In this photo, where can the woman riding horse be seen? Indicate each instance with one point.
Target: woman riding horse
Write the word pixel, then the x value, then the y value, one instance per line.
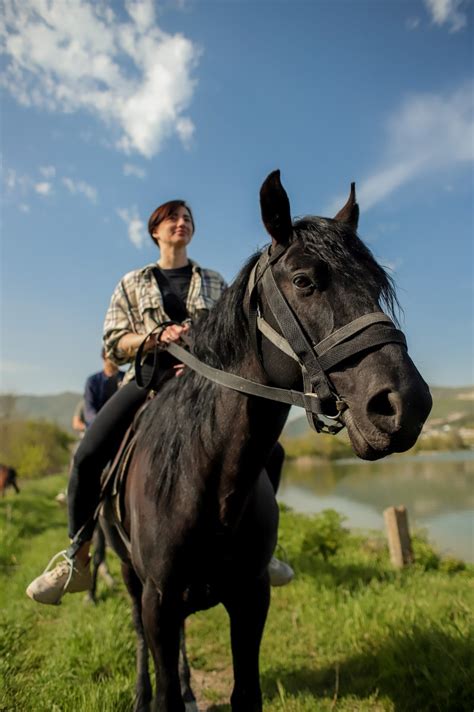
pixel 302 323
pixel 173 289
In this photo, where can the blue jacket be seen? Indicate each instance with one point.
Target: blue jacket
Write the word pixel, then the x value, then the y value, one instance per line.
pixel 99 388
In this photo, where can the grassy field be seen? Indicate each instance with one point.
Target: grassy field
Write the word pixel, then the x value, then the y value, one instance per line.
pixel 348 634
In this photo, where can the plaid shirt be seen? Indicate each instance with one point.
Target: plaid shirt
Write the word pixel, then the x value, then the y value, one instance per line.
pixel 137 306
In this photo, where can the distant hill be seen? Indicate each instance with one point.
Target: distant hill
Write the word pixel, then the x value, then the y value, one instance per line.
pixel 449 405
pixel 57 409
pixel 447 401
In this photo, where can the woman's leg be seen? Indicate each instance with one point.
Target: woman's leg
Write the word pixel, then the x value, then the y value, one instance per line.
pixel 99 445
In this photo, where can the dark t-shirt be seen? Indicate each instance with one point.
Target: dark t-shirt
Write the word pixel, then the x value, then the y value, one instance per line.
pixel 174 287
pixel 180 279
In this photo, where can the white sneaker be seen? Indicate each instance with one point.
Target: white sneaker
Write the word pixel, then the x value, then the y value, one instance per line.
pixel 61 498
pixel 280 573
pixel 69 576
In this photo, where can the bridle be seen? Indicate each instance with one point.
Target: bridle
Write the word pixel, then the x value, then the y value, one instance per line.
pixel 323 405
pixel 316 360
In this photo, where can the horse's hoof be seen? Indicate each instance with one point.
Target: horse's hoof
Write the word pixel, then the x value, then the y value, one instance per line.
pixel 108 580
pixel 191 706
pixel 89 600
pixel 106 576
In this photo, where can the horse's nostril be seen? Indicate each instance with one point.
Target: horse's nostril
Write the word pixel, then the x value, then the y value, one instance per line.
pixel 384 411
pixel 383 403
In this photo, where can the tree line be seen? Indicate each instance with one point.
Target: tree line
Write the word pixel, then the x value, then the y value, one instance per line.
pixel 34 447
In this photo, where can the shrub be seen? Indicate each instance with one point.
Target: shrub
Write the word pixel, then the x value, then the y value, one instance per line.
pixel 424 554
pixel 34 447
pixel 450 440
pixel 317 445
pixel 452 565
pixel 326 535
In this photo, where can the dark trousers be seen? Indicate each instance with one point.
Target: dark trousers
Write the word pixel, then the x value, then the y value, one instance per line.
pixel 99 445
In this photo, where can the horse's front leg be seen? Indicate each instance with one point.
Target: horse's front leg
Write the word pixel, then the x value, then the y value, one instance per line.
pixel 247 605
pixel 162 620
pixel 143 685
pixel 185 674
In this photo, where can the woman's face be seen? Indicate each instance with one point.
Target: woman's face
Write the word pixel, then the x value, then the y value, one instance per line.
pixel 175 230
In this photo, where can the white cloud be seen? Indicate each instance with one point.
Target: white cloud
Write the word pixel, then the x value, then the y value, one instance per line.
pixel 81 187
pixel 136 227
pixel 412 23
pixel 47 171
pixel 129 169
pixel 447 12
pixel 10 179
pixel 185 130
pixel 141 12
pixel 13 181
pixel 20 186
pixel 75 55
pixel 44 188
pixel 429 133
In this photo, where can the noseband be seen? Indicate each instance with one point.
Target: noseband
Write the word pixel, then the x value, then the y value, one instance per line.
pixel 316 360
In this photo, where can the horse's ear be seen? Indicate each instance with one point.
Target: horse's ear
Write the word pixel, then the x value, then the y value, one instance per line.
pixel 275 208
pixel 350 212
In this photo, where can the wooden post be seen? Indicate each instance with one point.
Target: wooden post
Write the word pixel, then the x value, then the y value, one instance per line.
pixel 399 542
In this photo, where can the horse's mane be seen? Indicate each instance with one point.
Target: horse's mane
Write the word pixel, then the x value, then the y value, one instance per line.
pixel 348 257
pixel 221 336
pixel 183 415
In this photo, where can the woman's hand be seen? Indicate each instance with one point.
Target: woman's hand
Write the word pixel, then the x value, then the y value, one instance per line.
pixel 173 333
pixel 129 343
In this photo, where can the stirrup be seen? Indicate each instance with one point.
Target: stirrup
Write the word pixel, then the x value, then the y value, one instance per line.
pixel 84 535
pixel 69 560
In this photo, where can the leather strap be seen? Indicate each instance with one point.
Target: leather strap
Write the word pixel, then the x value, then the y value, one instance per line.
pixel 294 335
pixel 245 385
pixel 156 358
pixel 349 329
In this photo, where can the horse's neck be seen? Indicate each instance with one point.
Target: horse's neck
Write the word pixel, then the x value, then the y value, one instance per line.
pixel 250 427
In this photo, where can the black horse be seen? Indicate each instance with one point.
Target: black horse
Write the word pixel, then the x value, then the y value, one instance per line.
pixel 200 511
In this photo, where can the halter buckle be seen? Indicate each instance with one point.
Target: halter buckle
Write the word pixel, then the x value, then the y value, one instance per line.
pixel 322 427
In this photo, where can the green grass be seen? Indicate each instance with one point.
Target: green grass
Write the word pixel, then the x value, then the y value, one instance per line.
pixel 348 634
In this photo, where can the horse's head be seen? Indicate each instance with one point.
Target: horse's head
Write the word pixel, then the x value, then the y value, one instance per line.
pixel 321 288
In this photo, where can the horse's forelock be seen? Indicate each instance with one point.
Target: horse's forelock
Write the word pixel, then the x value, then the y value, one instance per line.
pixel 337 244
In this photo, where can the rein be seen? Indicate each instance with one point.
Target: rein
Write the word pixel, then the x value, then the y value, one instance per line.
pixel 319 399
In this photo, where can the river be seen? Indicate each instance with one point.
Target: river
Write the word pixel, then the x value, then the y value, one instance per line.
pixel 437 490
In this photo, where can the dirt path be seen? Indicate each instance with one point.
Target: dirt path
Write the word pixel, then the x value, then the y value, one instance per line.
pixel 212 689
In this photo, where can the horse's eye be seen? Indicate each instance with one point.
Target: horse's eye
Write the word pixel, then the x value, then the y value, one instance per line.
pixel 302 281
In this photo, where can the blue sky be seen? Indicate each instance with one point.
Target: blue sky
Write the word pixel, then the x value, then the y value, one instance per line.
pixel 111 108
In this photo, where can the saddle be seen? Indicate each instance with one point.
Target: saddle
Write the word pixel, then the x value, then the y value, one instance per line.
pixel 114 477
